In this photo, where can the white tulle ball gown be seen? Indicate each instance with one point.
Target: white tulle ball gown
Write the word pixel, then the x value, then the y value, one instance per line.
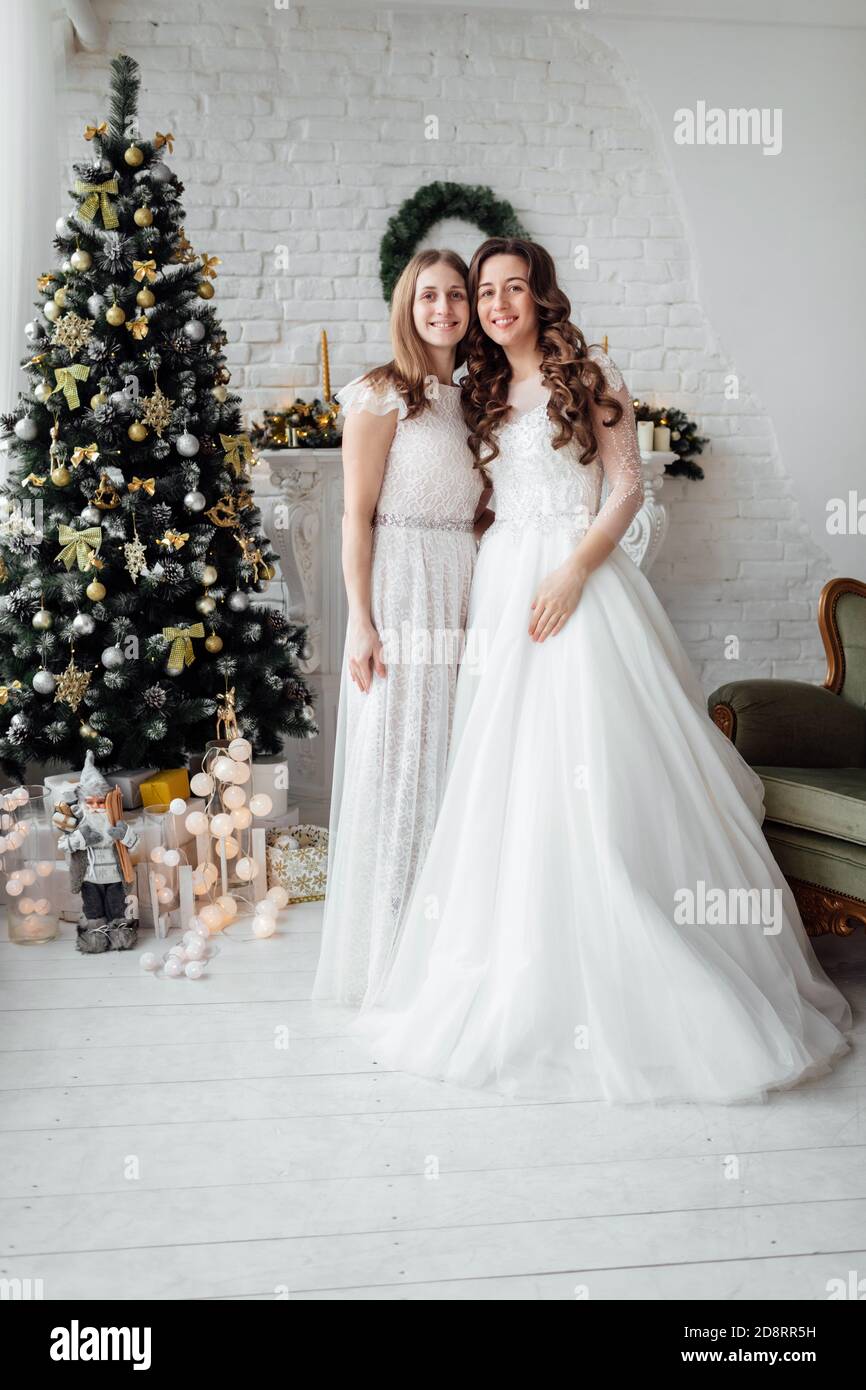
pixel 599 914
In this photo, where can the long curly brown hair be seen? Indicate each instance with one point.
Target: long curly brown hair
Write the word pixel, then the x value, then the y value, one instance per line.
pixel 573 378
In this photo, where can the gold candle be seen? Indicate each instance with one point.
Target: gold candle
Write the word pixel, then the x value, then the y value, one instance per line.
pixel 604 343
pixel 326 370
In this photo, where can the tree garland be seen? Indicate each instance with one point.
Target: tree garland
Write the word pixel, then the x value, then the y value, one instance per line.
pixel 473 203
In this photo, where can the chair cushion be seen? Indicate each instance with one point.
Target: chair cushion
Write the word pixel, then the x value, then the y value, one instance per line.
pixel 830 800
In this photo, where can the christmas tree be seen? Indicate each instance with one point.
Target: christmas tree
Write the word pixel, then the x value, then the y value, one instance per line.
pixel 130 548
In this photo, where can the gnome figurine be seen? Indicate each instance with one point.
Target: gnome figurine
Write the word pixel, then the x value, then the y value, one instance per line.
pixel 96 869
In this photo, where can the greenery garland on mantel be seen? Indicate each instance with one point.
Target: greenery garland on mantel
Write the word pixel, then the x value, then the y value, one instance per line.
pixel 473 203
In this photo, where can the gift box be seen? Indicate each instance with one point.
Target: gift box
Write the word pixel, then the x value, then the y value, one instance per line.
pixel 271 777
pixel 62 785
pixel 297 860
pixel 164 786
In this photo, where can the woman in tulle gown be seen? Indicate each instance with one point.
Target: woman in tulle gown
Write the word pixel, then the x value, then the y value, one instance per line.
pixel 599 914
pixel 411 493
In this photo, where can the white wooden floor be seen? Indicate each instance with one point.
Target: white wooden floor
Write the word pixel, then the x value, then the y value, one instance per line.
pixel 155 1142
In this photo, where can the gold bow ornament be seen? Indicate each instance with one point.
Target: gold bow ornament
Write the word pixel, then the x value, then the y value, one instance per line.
pixel 5 689
pixel 174 538
pixel 168 140
pixel 142 484
pixel 84 452
pixel 78 545
pixel 91 130
pixel 33 480
pixel 144 269
pixel 181 645
pixel 67 379
pixel 238 451
pixel 97 196
pixel 137 327
pixel 209 265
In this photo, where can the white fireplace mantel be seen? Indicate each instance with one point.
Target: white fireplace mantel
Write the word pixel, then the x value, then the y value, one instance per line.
pixel 300 493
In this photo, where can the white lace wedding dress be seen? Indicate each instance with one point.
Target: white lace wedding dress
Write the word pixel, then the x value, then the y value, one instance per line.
pixel 392 742
pixel 591 804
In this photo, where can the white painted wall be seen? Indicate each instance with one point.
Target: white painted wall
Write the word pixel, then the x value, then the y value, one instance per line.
pixel 305 128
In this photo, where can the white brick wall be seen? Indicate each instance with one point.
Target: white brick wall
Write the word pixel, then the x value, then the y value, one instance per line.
pixel 304 128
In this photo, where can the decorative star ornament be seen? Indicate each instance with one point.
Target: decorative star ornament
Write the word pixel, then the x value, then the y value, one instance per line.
pixel 73 332
pixel 135 556
pixel 72 685
pixel 157 411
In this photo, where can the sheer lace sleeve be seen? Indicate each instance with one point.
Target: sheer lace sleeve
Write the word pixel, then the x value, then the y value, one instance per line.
pixel 378 399
pixel 620 456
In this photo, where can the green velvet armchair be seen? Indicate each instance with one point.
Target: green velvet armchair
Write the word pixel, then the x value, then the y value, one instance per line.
pixel 808 745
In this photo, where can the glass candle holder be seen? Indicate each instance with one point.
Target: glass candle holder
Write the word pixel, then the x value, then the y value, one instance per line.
pixel 28 847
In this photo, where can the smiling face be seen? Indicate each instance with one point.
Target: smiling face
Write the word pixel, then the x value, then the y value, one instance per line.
pixel 506 309
pixel 440 309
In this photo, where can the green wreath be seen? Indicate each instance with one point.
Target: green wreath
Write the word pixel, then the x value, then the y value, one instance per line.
pixel 413 219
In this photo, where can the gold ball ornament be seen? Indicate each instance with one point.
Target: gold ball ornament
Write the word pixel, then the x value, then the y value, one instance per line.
pixel 210 574
pixel 146 298
pixel 137 431
pixel 205 290
pixel 115 315
pixel 61 476
pixel 269 572
pixel 213 643
pixel 95 590
pixel 81 260
pixel 133 156
pixel 87 730
pixel 99 399
pixel 142 217
pixel 219 393
pixel 60 297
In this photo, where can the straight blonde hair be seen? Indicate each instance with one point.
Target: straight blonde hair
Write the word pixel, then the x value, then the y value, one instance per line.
pixel 409 369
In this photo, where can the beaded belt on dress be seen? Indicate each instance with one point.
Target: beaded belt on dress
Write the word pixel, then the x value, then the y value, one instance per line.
pixel 421 523
pixel 579 520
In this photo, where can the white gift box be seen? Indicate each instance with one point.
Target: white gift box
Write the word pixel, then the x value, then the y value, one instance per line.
pixel 272 778
pixel 62 785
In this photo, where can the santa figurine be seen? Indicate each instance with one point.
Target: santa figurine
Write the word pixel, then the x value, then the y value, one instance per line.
pixel 97 842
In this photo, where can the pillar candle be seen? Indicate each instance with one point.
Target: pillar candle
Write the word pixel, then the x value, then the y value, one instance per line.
pixel 661 439
pixel 645 436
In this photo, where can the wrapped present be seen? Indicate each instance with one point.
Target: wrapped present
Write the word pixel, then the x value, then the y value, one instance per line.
pixel 298 861
pixel 164 786
pixel 271 777
pixel 62 785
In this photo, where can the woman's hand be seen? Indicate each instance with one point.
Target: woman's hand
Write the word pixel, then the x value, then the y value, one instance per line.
pixel 365 654
pixel 557 597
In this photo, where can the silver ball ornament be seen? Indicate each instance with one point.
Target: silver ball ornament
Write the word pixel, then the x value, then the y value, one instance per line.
pixel 205 604
pixel 44 683
pixel 209 574
pixel 112 658
pixel 66 266
pixel 33 331
pixel 83 624
pixel 186 445
pixel 61 227
pixel 308 712
pixel 239 602
pixel 43 619
pixel 95 305
pixel 91 516
pixel 51 310
pixel 42 391
pixel 195 501
pixel 159 172
pixel 26 428
pixel 194 330
pixel 81 260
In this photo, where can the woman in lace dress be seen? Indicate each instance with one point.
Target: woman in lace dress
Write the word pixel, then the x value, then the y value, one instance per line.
pixel 411 493
pixel 559 941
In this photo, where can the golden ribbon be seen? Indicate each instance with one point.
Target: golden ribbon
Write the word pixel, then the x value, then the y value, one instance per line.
pixel 91 130
pixel 144 268
pixel 95 195
pixel 34 480
pixel 238 451
pixel 44 282
pixel 78 545
pixel 174 538
pixel 84 452
pixel 209 264
pixel 138 327
pixel 168 140
pixel 67 379
pixel 145 484
pixel 181 644
pixel 5 689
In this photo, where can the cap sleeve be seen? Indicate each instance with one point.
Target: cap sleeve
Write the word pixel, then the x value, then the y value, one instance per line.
pixel 378 398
